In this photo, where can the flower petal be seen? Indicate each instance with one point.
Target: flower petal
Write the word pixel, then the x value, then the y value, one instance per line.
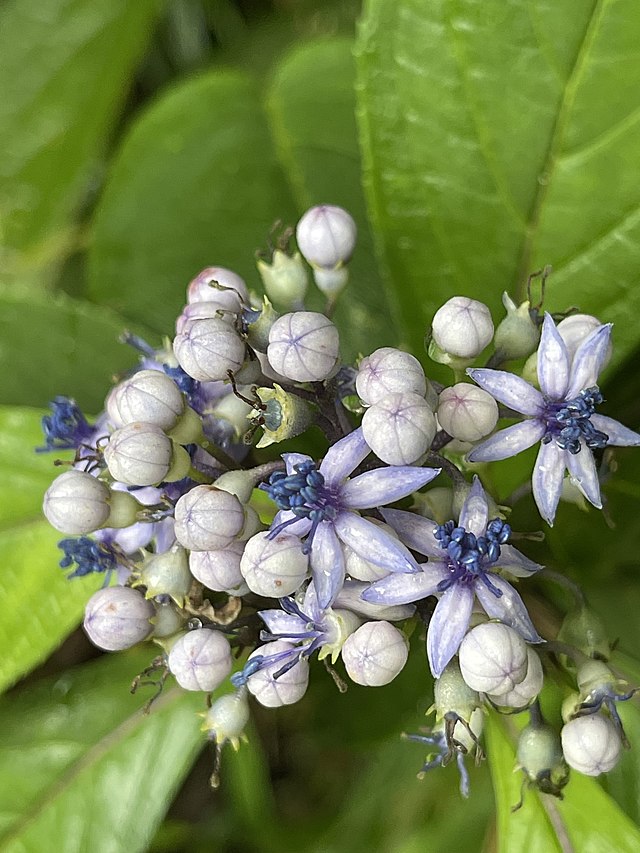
pixel 292 459
pixel 448 626
pixel 385 485
pixel 297 528
pixel 508 442
pixel 512 561
pixel 279 622
pixel 372 543
pixel 474 514
pixel 327 564
pixel 349 598
pixel 583 472
pixel 414 530
pixel 553 361
pixel 548 474
pixel 399 588
pixel 619 435
pixel 344 457
pixel 508 608
pixel 509 389
pixel 588 361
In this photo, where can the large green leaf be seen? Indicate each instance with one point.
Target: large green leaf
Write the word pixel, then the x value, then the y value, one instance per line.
pixel 40 605
pixel 65 67
pixel 311 104
pixel 82 768
pixel 501 137
pixel 196 183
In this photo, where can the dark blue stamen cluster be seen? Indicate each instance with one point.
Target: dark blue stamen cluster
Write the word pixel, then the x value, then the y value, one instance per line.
pixel 469 555
pixel 569 423
pixel 66 428
pixel 88 555
pixel 190 387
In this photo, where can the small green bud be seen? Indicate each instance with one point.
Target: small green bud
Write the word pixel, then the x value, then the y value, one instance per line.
pixel 166 574
pixel 583 629
pixel 517 336
pixel 436 504
pixel 259 328
pixel 285 279
pixel 451 693
pixel 285 415
pixel 540 757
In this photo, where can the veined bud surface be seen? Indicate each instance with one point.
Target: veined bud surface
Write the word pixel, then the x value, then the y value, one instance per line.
pixel 375 654
pixel 208 348
pixel 303 346
pixel 200 659
pixel 326 236
pixel 524 693
pixel 208 519
pixel 591 744
pixel 274 567
pixel 289 687
pixel 117 618
pixel 399 428
pixel 493 658
pixel 140 454
pixel 222 286
pixel 77 502
pixel 467 412
pixel 220 570
pixel 389 371
pixel 149 396
pixel 285 279
pixel 462 327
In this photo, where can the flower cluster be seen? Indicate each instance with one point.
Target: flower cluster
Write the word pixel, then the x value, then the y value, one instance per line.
pixel 165 496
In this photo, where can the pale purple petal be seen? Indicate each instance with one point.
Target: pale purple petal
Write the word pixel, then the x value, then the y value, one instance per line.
pixel 619 435
pixel 509 389
pixel 508 442
pixel 508 608
pixel 293 459
pixel 311 605
pixel 385 485
pixel 588 361
pixel 344 457
pixel 372 543
pixel 583 472
pixel 165 535
pixel 327 564
pixel 448 626
pixel 401 588
pixel 349 599
pixel 512 561
pixel 279 622
pixel 298 528
pixel 475 510
pixel 548 474
pixel 414 530
pixel 553 361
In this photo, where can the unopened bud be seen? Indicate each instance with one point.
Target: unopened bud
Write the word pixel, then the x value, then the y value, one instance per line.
pixel 524 693
pixel 399 428
pixel 208 349
pixel 77 502
pixel 517 336
pixel 493 658
pixel 304 346
pixel 274 567
pixel 220 570
pixel 591 744
pixel 375 654
pixel 219 285
pixel 289 687
pixel 117 618
pixel 149 396
pixel 285 279
pixel 462 327
pixel 467 412
pixel 208 519
pixel 200 659
pixel 140 454
pixel 326 236
pixel 389 371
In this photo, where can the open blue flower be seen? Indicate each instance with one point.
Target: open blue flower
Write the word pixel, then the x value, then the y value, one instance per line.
pixel 561 415
pixel 463 565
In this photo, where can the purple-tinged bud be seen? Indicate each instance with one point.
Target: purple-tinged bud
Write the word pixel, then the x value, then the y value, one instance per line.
pixel 140 454
pixel 219 285
pixel 389 371
pixel 202 311
pixel 375 654
pixel 285 279
pixel 399 428
pixel 117 618
pixel 149 396
pixel 289 687
pixel 227 718
pixel 304 346
pixel 220 570
pixel 493 658
pixel 326 236
pixel 167 574
pixel 467 412
pixel 462 327
pixel 274 567
pixel 524 693
pixel 77 502
pixel 200 659
pixel 208 519
pixel 208 349
pixel 591 744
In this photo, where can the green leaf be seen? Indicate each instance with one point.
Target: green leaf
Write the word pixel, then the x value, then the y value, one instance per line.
pixel 65 69
pixel 311 104
pixel 40 605
pixel 83 768
pixel 52 345
pixel 196 184
pixel 498 138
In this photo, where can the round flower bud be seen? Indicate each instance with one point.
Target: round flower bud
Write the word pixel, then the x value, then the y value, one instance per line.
pixel 288 688
pixel 399 428
pixel 591 744
pixel 517 336
pixel 202 311
pixel 462 327
pixel 140 454
pixel 167 574
pixel 274 567
pixel 77 503
pixel 493 658
pixel 117 618
pixel 227 718
pixel 220 570
pixel 467 412
pixel 303 346
pixel 326 236
pixel 389 371
pixel 207 349
pixel 200 659
pixel 375 653
pixel 527 690
pixel 219 285
pixel 285 279
pixel 149 396
pixel 208 519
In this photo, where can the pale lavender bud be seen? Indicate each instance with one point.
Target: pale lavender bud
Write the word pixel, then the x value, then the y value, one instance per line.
pixel 462 327
pixel 493 658
pixel 389 371
pixel 219 285
pixel 576 328
pixel 524 693
pixel 289 687
pixel 77 503
pixel 202 311
pixel 326 236
pixel 207 349
pixel 274 567
pixel 467 412
pixel 591 744
pixel 399 428
pixel 375 654
pixel 220 570
pixel 200 659
pixel 140 454
pixel 208 519
pixel 227 718
pixel 149 396
pixel 117 618
pixel 303 346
